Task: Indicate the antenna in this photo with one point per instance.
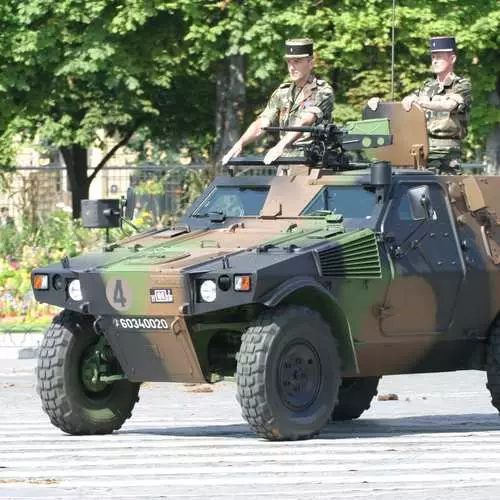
(392, 48)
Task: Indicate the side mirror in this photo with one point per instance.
(420, 202)
(100, 213)
(130, 202)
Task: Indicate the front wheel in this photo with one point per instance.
(70, 365)
(288, 374)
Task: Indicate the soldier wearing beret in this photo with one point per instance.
(302, 101)
(446, 100)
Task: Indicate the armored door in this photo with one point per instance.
(426, 262)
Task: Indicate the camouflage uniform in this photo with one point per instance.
(288, 103)
(446, 128)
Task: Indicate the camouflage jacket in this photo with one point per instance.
(288, 103)
(447, 128)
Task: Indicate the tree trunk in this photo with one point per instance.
(230, 103)
(493, 139)
(76, 160)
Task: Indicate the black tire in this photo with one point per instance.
(69, 405)
(288, 374)
(493, 364)
(355, 396)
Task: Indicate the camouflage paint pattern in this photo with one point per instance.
(446, 129)
(398, 291)
(288, 103)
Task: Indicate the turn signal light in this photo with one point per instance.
(242, 283)
(41, 282)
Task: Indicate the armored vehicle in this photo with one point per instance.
(308, 285)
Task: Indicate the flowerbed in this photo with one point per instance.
(18, 309)
(26, 248)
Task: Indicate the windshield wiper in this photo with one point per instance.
(215, 216)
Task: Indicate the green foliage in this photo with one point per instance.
(72, 67)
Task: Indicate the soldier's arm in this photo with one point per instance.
(462, 94)
(413, 98)
(290, 137)
(254, 131)
(458, 100)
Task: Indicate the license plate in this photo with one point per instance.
(141, 323)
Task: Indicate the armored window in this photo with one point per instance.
(353, 202)
(233, 201)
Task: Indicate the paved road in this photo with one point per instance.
(441, 439)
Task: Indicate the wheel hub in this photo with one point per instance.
(299, 375)
(94, 366)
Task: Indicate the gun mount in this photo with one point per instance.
(390, 134)
(329, 142)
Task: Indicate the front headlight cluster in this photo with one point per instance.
(207, 289)
(41, 282)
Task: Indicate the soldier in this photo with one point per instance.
(446, 101)
(300, 102)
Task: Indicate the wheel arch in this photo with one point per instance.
(306, 291)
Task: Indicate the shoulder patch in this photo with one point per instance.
(320, 82)
(285, 85)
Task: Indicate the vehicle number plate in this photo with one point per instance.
(141, 323)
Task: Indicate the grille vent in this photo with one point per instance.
(355, 255)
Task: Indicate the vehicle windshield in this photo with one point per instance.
(353, 202)
(233, 201)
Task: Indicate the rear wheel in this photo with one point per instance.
(493, 364)
(288, 374)
(355, 396)
(72, 363)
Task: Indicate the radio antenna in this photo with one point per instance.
(392, 48)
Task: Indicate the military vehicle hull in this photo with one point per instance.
(309, 286)
(385, 291)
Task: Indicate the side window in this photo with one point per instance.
(350, 201)
(404, 212)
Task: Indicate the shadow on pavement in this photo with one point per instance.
(366, 428)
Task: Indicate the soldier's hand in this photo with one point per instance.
(234, 151)
(408, 101)
(373, 103)
(273, 154)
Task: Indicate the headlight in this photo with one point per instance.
(208, 291)
(75, 291)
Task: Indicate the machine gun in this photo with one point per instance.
(329, 143)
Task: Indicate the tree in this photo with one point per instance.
(195, 71)
(76, 67)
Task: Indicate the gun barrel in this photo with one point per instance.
(259, 161)
(291, 129)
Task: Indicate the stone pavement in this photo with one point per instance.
(439, 441)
